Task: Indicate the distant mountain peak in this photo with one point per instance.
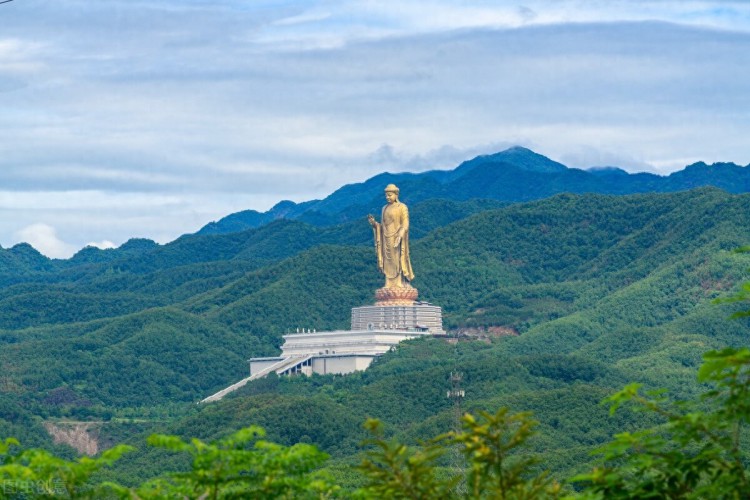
(283, 204)
(517, 156)
(606, 170)
(521, 150)
(25, 248)
(704, 165)
(282, 208)
(138, 244)
(517, 149)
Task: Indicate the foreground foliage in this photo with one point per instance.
(394, 470)
(696, 453)
(240, 466)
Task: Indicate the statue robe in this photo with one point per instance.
(394, 261)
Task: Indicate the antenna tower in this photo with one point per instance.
(457, 394)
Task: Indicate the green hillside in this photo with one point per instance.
(602, 289)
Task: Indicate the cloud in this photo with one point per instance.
(103, 218)
(527, 14)
(134, 118)
(345, 21)
(587, 156)
(307, 17)
(104, 245)
(444, 157)
(84, 200)
(44, 238)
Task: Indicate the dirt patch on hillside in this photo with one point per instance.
(83, 436)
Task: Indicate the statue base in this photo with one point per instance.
(396, 296)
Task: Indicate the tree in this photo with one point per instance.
(394, 470)
(696, 453)
(241, 466)
(494, 471)
(37, 473)
(489, 444)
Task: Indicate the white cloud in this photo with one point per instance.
(386, 157)
(104, 223)
(307, 17)
(587, 156)
(132, 118)
(44, 238)
(104, 245)
(84, 200)
(344, 20)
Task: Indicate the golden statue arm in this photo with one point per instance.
(378, 242)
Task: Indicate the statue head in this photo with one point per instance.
(391, 193)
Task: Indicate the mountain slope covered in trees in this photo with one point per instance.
(602, 289)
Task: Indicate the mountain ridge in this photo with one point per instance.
(516, 174)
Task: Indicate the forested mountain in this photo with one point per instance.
(516, 174)
(282, 238)
(602, 289)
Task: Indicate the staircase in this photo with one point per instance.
(285, 364)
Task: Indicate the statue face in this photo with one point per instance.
(391, 196)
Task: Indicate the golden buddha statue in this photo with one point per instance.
(392, 247)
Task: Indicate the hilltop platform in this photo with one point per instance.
(338, 352)
(375, 330)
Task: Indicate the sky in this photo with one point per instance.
(125, 119)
